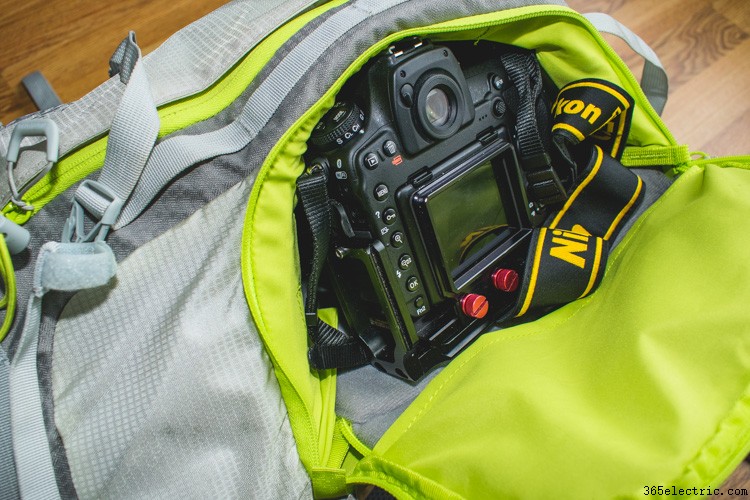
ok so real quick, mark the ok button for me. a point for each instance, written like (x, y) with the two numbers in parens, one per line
(389, 216)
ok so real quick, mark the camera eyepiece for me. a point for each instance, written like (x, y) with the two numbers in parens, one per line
(439, 105)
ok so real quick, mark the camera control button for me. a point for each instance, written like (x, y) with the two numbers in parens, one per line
(397, 239)
(389, 216)
(381, 192)
(371, 161)
(405, 261)
(389, 148)
(497, 82)
(419, 302)
(407, 95)
(498, 107)
(412, 284)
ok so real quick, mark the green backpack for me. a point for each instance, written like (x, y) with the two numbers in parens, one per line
(164, 347)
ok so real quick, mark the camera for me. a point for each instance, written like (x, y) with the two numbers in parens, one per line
(431, 215)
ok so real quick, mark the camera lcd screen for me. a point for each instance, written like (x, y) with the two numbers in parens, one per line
(468, 218)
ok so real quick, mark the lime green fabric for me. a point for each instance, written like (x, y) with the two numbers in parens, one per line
(570, 49)
(645, 382)
(565, 42)
(271, 278)
(173, 116)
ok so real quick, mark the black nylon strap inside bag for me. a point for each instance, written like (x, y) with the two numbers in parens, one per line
(567, 257)
(331, 348)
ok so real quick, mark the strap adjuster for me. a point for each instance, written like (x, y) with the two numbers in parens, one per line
(99, 201)
(545, 185)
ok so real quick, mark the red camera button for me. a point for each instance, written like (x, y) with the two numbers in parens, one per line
(505, 280)
(474, 305)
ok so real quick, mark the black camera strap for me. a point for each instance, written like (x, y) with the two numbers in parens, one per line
(526, 101)
(567, 257)
(331, 348)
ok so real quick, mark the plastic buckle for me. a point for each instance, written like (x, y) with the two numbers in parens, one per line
(74, 228)
(37, 127)
(544, 183)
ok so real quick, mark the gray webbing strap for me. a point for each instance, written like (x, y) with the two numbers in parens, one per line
(65, 267)
(78, 263)
(173, 156)
(40, 91)
(131, 139)
(8, 481)
(187, 63)
(654, 80)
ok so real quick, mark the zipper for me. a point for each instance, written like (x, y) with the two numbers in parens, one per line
(88, 157)
(490, 20)
(93, 154)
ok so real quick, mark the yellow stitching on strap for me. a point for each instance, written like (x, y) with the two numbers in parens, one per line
(569, 128)
(595, 270)
(534, 272)
(581, 186)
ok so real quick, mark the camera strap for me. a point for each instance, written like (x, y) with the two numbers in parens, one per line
(532, 126)
(568, 255)
(331, 348)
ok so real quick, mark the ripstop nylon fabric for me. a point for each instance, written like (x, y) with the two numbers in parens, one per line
(174, 155)
(163, 390)
(188, 62)
(60, 266)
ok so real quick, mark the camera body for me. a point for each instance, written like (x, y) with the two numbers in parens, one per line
(430, 210)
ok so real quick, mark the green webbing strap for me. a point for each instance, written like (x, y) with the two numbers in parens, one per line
(64, 267)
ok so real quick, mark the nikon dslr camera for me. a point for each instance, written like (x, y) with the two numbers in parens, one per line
(431, 217)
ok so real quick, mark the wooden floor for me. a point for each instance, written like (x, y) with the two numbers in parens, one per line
(704, 45)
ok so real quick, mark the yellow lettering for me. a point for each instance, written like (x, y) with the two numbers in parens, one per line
(574, 107)
(559, 105)
(591, 113)
(567, 251)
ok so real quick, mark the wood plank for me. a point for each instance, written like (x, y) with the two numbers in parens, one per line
(77, 39)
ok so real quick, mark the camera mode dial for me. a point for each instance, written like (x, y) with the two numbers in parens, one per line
(337, 127)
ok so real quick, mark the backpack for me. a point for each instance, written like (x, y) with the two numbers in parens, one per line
(164, 349)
